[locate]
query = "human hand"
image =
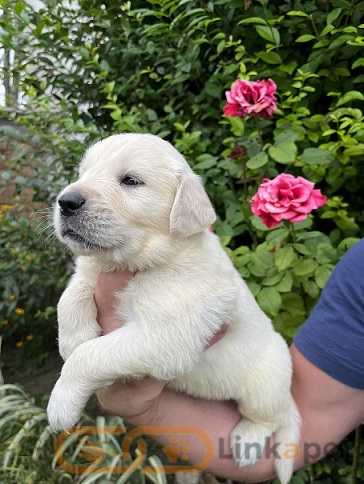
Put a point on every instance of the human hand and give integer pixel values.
(136, 401)
(108, 285)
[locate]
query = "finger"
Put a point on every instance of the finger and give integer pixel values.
(108, 284)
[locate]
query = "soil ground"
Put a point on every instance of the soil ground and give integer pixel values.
(35, 376)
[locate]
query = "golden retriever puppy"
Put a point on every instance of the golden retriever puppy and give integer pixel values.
(137, 205)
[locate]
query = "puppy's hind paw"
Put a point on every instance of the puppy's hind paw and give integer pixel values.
(63, 409)
(248, 440)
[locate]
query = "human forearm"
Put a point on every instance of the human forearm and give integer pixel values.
(199, 424)
(329, 412)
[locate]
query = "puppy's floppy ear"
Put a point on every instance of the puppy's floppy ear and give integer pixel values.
(192, 211)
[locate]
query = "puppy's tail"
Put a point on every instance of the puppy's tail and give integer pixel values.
(287, 437)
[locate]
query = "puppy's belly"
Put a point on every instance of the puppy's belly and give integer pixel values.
(230, 369)
(210, 379)
(200, 388)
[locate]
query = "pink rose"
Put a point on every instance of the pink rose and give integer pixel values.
(251, 98)
(286, 197)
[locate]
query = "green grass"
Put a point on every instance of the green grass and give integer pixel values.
(31, 454)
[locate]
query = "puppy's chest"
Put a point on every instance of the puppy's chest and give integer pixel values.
(167, 302)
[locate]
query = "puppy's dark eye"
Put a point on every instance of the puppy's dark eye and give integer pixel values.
(131, 181)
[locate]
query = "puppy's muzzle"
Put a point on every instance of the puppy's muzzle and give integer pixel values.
(70, 202)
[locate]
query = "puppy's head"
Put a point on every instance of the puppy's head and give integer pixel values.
(133, 190)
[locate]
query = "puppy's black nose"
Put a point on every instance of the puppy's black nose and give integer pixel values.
(70, 202)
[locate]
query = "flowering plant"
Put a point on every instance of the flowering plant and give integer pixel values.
(251, 98)
(286, 197)
(287, 267)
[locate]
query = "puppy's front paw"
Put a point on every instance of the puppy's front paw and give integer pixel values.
(248, 441)
(64, 407)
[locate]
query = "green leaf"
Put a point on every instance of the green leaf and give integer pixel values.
(254, 287)
(286, 283)
(316, 156)
(272, 280)
(271, 34)
(350, 96)
(257, 161)
(287, 324)
(358, 79)
(333, 15)
(258, 224)
(302, 249)
(322, 275)
(297, 13)
(269, 300)
(284, 152)
(311, 288)
(305, 38)
(293, 303)
(305, 267)
(358, 63)
(237, 126)
(278, 235)
(285, 135)
(327, 30)
(116, 114)
(339, 41)
(356, 150)
(271, 57)
(253, 20)
(84, 52)
(325, 253)
(241, 261)
(205, 162)
(315, 235)
(304, 224)
(261, 262)
(221, 46)
(347, 243)
(284, 258)
(350, 29)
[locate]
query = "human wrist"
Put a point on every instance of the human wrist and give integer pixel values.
(108, 324)
(149, 414)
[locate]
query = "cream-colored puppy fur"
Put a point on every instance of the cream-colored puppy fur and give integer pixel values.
(184, 289)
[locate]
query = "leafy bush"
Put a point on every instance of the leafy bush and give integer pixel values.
(29, 294)
(163, 67)
(34, 267)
